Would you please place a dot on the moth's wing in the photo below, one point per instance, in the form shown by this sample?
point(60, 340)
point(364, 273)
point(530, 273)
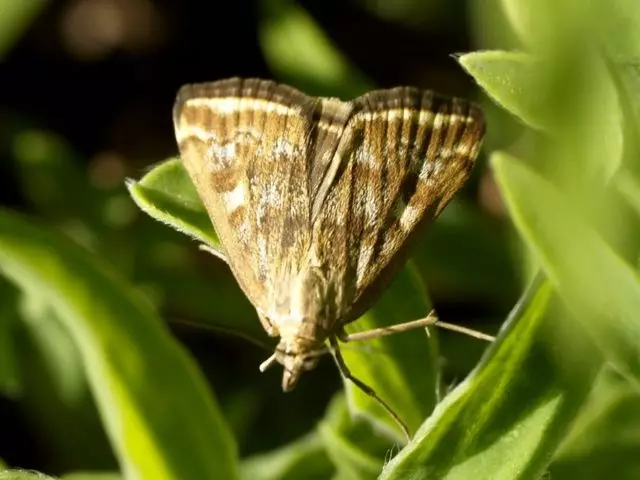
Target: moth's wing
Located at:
point(404, 153)
point(245, 145)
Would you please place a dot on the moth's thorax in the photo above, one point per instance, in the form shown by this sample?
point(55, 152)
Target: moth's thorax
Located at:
point(302, 315)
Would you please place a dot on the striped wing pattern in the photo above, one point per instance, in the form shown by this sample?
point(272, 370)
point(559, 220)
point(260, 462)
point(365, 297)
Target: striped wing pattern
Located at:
point(291, 180)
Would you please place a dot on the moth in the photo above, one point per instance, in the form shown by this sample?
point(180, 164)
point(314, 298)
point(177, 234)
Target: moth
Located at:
point(317, 201)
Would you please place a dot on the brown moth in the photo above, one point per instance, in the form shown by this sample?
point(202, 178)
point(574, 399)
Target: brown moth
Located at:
point(316, 201)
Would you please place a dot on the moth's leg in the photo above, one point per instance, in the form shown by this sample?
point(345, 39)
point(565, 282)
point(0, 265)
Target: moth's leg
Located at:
point(213, 251)
point(346, 373)
point(428, 321)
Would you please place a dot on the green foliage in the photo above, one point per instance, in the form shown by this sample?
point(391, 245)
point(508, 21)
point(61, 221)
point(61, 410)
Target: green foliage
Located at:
point(160, 417)
point(556, 392)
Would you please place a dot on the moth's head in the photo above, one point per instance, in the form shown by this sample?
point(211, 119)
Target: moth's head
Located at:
point(295, 359)
point(300, 315)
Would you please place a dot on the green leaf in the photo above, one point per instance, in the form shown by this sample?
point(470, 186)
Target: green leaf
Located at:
point(401, 368)
point(606, 436)
point(547, 24)
point(570, 96)
point(23, 475)
point(92, 476)
point(10, 381)
point(617, 22)
point(356, 449)
point(509, 415)
point(56, 392)
point(162, 420)
point(167, 194)
point(601, 290)
point(303, 458)
point(629, 187)
point(514, 81)
point(15, 19)
point(300, 53)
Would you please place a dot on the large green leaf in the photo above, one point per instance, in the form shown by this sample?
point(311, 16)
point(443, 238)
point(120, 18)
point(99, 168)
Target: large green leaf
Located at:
point(602, 291)
point(571, 96)
point(162, 420)
point(508, 417)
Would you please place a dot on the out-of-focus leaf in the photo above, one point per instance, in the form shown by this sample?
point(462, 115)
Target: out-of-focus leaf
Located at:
point(545, 24)
point(543, 92)
point(55, 184)
point(10, 381)
point(606, 436)
point(508, 417)
point(56, 393)
point(618, 22)
point(300, 53)
point(629, 187)
point(401, 368)
point(601, 290)
point(162, 420)
point(303, 458)
point(167, 194)
point(15, 18)
point(92, 476)
point(23, 475)
point(349, 458)
point(354, 447)
point(628, 74)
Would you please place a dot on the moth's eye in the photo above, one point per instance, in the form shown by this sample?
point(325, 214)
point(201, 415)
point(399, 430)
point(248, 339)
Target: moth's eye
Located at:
point(310, 363)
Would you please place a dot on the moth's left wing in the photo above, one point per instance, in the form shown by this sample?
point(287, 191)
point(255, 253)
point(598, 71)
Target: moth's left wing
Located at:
point(404, 154)
point(244, 143)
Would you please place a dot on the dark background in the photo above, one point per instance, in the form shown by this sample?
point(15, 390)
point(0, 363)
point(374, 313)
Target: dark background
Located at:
point(85, 100)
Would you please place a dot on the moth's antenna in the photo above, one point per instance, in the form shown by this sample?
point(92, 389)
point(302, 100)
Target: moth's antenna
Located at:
point(268, 362)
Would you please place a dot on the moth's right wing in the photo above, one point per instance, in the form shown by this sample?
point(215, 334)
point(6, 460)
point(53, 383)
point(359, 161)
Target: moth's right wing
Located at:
point(403, 155)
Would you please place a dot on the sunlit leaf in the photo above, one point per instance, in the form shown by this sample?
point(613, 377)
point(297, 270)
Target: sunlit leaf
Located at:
point(507, 418)
point(162, 420)
point(167, 194)
point(601, 290)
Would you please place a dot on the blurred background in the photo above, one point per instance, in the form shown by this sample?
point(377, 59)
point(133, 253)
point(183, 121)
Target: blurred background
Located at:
point(86, 90)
